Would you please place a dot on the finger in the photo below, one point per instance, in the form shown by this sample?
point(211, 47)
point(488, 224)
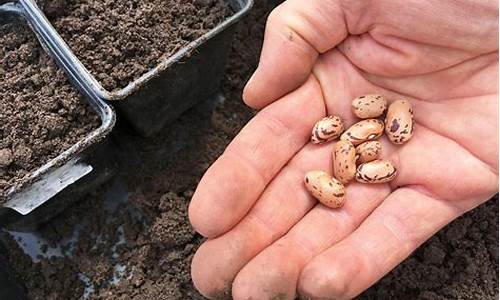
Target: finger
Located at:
point(274, 272)
point(296, 32)
point(283, 204)
point(235, 181)
point(397, 227)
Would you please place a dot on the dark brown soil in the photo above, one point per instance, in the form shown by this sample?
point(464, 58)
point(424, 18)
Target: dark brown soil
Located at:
point(118, 41)
point(460, 262)
point(41, 114)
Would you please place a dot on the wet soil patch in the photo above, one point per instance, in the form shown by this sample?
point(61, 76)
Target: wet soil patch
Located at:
point(41, 114)
point(118, 41)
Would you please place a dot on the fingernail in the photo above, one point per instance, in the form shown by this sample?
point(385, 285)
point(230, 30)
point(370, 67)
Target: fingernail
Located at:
point(248, 87)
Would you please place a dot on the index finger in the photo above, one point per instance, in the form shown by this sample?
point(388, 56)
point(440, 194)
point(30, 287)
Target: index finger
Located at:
point(235, 181)
point(296, 33)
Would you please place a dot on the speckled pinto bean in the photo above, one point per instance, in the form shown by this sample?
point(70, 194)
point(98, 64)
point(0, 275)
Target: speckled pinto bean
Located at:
point(368, 151)
point(365, 130)
point(328, 190)
point(344, 161)
point(399, 122)
point(327, 129)
point(369, 106)
point(377, 171)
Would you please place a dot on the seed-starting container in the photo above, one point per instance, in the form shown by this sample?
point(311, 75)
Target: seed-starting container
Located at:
point(176, 84)
point(85, 165)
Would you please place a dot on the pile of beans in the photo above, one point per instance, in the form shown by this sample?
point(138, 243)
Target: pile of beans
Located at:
point(357, 154)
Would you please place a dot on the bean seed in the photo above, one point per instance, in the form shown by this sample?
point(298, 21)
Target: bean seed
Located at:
point(377, 171)
point(365, 130)
point(344, 161)
point(368, 151)
point(328, 190)
point(399, 122)
point(369, 106)
point(327, 129)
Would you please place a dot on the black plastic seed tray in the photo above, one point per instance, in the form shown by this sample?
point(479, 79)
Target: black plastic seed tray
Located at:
point(82, 167)
point(176, 84)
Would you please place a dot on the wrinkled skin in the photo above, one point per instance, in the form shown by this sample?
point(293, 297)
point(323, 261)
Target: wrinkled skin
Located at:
point(268, 238)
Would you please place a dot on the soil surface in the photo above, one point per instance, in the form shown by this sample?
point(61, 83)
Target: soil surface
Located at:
point(118, 41)
point(41, 114)
point(148, 243)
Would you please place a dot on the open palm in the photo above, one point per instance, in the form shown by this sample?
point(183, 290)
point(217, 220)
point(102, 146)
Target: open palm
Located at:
point(268, 238)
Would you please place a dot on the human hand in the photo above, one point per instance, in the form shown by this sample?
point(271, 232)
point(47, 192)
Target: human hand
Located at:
point(268, 238)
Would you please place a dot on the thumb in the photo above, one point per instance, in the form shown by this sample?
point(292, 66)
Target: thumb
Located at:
point(296, 33)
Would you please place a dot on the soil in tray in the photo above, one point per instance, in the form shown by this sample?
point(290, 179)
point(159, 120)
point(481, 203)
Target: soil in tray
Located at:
point(41, 114)
point(156, 249)
point(118, 41)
